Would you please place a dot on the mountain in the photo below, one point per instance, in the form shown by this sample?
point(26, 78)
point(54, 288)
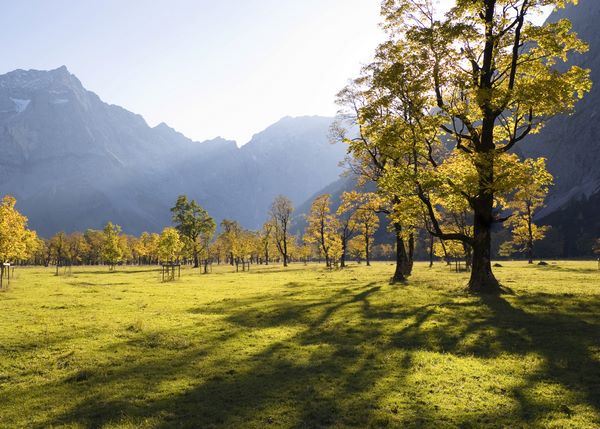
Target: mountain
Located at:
point(75, 162)
point(571, 145)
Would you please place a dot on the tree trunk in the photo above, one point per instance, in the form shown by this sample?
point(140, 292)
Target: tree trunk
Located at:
point(408, 265)
point(482, 279)
point(400, 255)
point(431, 238)
point(530, 235)
point(343, 257)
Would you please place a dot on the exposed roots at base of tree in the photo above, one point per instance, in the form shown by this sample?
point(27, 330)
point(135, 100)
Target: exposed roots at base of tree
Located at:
point(494, 289)
point(395, 281)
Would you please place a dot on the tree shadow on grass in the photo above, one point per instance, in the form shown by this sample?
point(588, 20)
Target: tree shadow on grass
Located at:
point(495, 327)
point(328, 371)
point(312, 379)
point(564, 340)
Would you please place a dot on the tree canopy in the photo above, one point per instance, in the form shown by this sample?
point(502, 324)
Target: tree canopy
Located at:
point(448, 98)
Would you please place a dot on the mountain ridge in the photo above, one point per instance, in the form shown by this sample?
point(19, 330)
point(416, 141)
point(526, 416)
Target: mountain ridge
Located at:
point(74, 161)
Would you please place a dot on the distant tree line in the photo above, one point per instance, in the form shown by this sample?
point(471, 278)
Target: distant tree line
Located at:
point(193, 238)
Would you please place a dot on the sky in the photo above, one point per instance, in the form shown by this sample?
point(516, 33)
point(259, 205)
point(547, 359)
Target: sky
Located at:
point(207, 68)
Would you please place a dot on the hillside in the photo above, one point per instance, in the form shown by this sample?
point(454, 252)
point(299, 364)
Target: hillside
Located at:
point(75, 162)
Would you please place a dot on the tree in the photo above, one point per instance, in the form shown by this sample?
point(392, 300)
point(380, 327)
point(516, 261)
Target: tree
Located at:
point(363, 207)
point(78, 247)
point(367, 223)
point(218, 249)
point(524, 204)
point(335, 249)
point(16, 241)
point(356, 248)
point(266, 240)
point(243, 248)
point(322, 226)
point(112, 251)
point(170, 245)
point(280, 215)
point(95, 241)
point(372, 154)
point(305, 251)
point(346, 226)
point(193, 224)
point(151, 242)
point(42, 254)
point(59, 249)
point(126, 245)
point(488, 78)
point(451, 250)
point(230, 235)
point(205, 239)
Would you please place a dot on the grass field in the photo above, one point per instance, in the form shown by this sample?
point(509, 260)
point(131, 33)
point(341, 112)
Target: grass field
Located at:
point(300, 347)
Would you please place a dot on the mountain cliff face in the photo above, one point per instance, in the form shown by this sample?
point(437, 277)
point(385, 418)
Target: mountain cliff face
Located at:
point(75, 162)
point(571, 145)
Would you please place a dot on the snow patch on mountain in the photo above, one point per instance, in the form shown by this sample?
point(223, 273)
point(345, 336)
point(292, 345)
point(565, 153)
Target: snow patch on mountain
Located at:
point(20, 104)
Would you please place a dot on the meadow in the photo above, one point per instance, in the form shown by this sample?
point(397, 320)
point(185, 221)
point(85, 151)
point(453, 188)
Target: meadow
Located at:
point(302, 347)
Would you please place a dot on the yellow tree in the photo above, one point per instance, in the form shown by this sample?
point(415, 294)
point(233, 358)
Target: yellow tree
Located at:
point(334, 243)
point(77, 246)
point(346, 226)
point(230, 235)
point(488, 76)
point(305, 251)
point(140, 249)
point(356, 248)
point(15, 239)
point(322, 226)
point(151, 241)
point(377, 149)
point(525, 203)
point(37, 249)
point(243, 248)
point(126, 243)
point(170, 245)
point(266, 238)
point(451, 250)
point(112, 248)
point(95, 241)
point(363, 207)
point(218, 249)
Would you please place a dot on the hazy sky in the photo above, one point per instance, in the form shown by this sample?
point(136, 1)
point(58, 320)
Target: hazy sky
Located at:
point(205, 67)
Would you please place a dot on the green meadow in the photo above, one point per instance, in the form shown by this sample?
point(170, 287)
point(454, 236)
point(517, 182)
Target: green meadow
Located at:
point(302, 347)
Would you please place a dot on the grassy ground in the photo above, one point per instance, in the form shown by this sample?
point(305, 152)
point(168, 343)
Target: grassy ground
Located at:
point(301, 347)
